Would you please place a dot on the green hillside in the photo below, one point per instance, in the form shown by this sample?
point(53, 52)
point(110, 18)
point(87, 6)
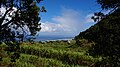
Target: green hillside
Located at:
point(47, 54)
point(106, 36)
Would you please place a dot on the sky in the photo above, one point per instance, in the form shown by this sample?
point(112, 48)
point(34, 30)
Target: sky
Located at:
point(67, 17)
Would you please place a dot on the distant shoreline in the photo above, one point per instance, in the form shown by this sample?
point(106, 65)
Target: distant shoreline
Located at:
point(54, 39)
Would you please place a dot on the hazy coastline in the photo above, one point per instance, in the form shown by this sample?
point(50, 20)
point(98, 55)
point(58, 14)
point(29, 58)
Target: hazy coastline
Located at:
point(45, 38)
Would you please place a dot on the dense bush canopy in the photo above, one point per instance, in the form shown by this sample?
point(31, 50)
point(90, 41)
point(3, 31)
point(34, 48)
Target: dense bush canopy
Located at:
point(20, 17)
point(106, 33)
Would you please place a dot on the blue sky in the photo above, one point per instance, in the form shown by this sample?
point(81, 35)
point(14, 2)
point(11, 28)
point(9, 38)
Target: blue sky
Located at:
point(67, 17)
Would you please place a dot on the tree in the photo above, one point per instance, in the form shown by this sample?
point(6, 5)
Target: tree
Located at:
point(106, 5)
point(20, 17)
point(105, 34)
point(109, 4)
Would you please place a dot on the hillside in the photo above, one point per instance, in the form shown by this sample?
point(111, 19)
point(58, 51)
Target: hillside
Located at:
point(50, 54)
point(106, 35)
point(106, 27)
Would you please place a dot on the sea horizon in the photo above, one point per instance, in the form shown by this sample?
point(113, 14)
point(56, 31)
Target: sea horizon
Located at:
point(51, 38)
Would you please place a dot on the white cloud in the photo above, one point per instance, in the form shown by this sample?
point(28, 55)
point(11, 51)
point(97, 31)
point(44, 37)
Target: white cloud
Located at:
point(48, 27)
point(53, 27)
point(67, 23)
point(69, 18)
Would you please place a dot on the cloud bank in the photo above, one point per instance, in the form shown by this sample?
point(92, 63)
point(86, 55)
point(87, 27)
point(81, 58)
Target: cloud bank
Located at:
point(67, 23)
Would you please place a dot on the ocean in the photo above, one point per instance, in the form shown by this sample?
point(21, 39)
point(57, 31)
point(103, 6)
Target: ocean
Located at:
point(50, 38)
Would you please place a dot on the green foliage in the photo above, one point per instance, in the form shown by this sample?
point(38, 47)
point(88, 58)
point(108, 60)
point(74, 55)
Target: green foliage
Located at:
point(65, 56)
point(2, 52)
point(9, 49)
point(98, 16)
point(84, 43)
point(109, 4)
point(24, 16)
point(5, 62)
point(106, 36)
point(50, 54)
point(37, 61)
point(21, 17)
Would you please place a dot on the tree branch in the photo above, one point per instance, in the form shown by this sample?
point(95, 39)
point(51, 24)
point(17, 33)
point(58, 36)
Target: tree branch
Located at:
point(3, 18)
point(4, 25)
point(13, 18)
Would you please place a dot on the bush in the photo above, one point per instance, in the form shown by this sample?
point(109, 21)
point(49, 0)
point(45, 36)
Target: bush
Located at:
point(84, 43)
point(65, 56)
point(106, 35)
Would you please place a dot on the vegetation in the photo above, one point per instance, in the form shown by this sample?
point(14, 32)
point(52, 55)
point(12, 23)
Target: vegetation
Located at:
point(51, 54)
point(105, 34)
point(98, 46)
point(17, 21)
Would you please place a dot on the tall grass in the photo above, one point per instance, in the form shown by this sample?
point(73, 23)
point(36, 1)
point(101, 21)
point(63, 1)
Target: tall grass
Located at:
point(35, 61)
point(49, 55)
point(65, 56)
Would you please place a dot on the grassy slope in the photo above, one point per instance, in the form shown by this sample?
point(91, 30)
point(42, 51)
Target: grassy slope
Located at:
point(54, 54)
